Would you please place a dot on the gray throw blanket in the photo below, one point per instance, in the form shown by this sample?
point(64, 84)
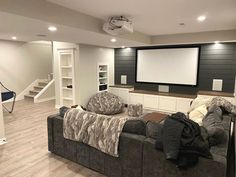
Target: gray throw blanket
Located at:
point(99, 131)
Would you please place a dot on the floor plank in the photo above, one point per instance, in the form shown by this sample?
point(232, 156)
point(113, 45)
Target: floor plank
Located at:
point(26, 154)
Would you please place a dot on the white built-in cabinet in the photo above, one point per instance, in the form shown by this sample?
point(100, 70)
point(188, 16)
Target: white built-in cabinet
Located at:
point(67, 77)
point(161, 103)
point(103, 77)
point(153, 102)
point(158, 102)
point(123, 93)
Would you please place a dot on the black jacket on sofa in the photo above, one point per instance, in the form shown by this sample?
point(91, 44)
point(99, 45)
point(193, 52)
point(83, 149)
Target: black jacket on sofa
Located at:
point(182, 141)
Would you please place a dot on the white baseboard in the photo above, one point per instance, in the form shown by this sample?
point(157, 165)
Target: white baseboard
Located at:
point(3, 141)
point(44, 99)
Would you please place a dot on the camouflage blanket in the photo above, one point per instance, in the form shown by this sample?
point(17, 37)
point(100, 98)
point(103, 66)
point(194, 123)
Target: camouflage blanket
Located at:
point(99, 131)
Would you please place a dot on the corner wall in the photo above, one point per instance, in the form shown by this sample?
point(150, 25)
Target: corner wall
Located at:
point(86, 59)
point(22, 63)
point(89, 58)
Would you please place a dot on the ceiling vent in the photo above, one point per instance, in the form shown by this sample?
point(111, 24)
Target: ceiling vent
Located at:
point(118, 25)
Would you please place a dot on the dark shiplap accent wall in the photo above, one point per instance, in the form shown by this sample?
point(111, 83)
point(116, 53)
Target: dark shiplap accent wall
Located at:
point(217, 61)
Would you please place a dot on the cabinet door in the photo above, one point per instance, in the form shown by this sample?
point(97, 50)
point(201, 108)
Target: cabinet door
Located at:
point(167, 104)
point(124, 94)
point(183, 104)
point(150, 101)
point(113, 90)
point(135, 98)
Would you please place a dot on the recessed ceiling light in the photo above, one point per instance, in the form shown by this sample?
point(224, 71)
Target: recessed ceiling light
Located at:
point(113, 40)
point(201, 18)
point(14, 37)
point(181, 24)
point(52, 28)
point(123, 47)
point(217, 42)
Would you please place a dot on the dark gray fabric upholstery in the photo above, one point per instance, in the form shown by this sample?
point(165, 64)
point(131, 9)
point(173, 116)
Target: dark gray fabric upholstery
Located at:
point(128, 164)
point(155, 165)
point(137, 154)
point(153, 129)
point(137, 126)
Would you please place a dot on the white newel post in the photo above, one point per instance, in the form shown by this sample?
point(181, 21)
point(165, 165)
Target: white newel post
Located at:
point(2, 129)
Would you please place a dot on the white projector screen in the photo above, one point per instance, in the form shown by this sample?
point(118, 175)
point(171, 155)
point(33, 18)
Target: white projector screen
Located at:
point(168, 66)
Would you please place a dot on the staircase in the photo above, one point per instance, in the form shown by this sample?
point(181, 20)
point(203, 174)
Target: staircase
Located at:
point(36, 89)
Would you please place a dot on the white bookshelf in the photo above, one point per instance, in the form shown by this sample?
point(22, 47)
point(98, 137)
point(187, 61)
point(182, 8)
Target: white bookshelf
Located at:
point(103, 75)
point(67, 77)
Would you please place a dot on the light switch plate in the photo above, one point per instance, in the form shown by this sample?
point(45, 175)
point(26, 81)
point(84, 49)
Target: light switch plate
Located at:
point(217, 84)
point(123, 79)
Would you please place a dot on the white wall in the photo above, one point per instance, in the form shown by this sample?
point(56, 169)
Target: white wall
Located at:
point(22, 63)
point(86, 59)
point(89, 57)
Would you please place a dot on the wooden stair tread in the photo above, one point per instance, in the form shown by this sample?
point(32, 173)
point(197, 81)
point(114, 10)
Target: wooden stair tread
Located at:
point(30, 96)
point(40, 87)
point(34, 91)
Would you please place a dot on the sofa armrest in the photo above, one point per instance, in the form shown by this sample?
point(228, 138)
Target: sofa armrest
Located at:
point(155, 164)
point(50, 120)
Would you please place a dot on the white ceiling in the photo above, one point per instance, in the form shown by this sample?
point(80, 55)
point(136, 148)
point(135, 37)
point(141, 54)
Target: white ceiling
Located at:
point(158, 17)
point(27, 29)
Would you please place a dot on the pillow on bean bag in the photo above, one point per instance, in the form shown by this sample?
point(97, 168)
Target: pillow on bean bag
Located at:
point(219, 101)
point(105, 103)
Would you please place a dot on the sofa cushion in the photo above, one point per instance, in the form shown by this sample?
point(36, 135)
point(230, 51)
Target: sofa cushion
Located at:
point(213, 123)
point(136, 126)
point(105, 103)
point(153, 129)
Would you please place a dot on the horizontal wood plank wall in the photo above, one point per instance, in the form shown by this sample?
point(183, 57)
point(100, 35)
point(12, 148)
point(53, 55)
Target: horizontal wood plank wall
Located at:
point(217, 61)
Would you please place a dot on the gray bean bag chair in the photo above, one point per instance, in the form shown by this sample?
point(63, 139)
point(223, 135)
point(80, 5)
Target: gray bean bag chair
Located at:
point(105, 103)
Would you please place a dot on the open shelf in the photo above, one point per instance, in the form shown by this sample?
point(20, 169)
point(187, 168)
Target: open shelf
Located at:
point(67, 77)
point(102, 77)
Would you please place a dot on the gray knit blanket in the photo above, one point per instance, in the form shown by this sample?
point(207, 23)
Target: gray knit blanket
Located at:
point(99, 131)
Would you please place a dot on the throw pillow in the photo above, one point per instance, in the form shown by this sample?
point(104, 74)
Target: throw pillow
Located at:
point(213, 124)
point(198, 114)
point(199, 101)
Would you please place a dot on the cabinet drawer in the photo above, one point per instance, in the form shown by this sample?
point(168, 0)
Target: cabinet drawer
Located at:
point(150, 101)
point(167, 104)
point(135, 98)
point(183, 105)
point(124, 95)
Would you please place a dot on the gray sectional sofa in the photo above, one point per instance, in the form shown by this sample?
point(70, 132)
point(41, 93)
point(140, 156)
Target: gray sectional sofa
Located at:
point(137, 154)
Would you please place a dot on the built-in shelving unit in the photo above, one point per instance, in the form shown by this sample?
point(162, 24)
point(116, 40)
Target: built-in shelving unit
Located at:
point(67, 77)
point(103, 77)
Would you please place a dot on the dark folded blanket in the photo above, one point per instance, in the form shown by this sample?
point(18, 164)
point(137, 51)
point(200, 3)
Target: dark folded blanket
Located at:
point(182, 141)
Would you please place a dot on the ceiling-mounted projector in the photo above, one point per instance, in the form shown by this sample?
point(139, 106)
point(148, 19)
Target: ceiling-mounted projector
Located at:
point(118, 25)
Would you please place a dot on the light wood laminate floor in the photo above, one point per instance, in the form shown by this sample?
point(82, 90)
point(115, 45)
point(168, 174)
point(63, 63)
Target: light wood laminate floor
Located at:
point(26, 154)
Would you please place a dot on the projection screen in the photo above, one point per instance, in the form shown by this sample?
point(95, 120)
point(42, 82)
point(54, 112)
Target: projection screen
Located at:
point(168, 66)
